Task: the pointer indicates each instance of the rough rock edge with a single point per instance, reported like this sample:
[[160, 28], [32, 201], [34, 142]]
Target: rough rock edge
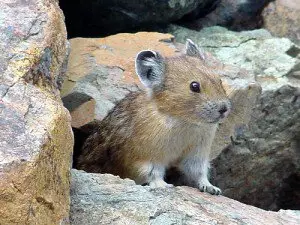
[[107, 199]]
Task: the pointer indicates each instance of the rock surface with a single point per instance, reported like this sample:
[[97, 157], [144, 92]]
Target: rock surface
[[106, 199], [35, 133], [98, 18], [233, 14], [81, 108], [287, 14], [273, 61], [264, 160], [103, 68]]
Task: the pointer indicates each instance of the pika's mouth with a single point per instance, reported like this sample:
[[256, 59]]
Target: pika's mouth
[[215, 111]]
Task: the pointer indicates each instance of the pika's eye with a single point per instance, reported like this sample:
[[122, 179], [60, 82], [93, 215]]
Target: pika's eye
[[195, 87]]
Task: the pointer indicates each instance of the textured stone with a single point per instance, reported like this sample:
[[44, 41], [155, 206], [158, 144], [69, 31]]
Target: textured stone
[[267, 57], [81, 108], [263, 160], [233, 14], [103, 68], [35, 133], [106, 199], [287, 14]]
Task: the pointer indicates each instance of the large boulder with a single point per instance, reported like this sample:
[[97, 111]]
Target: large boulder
[[98, 18], [262, 166], [103, 68], [107, 199], [35, 134]]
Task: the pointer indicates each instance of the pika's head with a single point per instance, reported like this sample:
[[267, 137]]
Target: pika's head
[[184, 87]]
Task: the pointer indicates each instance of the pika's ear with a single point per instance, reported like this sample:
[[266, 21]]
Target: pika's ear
[[193, 50], [150, 67]]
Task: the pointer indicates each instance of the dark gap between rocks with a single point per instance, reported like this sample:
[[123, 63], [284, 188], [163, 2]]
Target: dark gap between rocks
[[289, 195], [88, 19], [103, 18], [99, 19]]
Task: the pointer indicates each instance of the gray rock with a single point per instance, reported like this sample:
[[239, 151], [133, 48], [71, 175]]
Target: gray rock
[[262, 167], [269, 59], [263, 162], [234, 14], [106, 199], [104, 85]]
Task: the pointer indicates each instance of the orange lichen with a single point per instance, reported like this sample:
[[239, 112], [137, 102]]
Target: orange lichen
[[113, 51]]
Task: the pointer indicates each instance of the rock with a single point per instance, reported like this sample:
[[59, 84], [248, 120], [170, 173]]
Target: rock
[[106, 199], [287, 14], [267, 57], [99, 18], [103, 69], [81, 108], [264, 159], [233, 14], [35, 134]]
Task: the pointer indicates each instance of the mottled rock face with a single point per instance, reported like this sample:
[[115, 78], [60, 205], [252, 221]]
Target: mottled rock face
[[261, 167], [106, 199], [98, 18], [287, 14], [35, 133]]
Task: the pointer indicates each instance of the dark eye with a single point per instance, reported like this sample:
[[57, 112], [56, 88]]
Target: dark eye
[[195, 87]]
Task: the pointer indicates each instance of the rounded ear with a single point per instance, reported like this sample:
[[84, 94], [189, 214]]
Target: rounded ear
[[193, 50], [150, 67]]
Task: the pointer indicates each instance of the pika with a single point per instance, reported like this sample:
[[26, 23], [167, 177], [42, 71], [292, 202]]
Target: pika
[[172, 123]]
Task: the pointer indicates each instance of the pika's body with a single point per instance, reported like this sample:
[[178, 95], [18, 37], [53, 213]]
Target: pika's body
[[173, 123]]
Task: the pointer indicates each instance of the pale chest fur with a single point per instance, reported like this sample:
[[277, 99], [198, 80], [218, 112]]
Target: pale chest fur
[[170, 139]]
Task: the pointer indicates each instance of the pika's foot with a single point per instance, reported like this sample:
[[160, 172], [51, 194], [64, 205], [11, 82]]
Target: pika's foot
[[208, 187], [159, 184]]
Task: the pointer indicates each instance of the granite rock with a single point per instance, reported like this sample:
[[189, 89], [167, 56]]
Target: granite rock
[[35, 134], [107, 199]]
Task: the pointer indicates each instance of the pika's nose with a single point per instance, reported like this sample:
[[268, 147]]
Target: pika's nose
[[223, 110]]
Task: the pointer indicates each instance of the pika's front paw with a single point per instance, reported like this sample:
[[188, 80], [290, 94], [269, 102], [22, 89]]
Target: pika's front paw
[[208, 187], [159, 184]]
